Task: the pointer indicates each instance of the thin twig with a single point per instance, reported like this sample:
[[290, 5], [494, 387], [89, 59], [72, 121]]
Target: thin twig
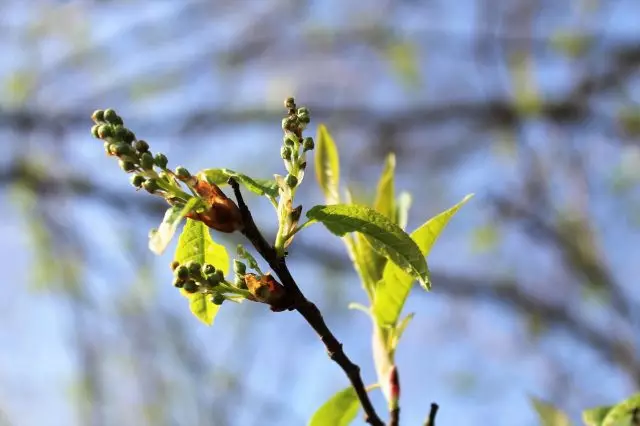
[[395, 417], [306, 308], [431, 420]]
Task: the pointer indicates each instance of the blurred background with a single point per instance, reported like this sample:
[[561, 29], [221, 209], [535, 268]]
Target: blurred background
[[531, 104]]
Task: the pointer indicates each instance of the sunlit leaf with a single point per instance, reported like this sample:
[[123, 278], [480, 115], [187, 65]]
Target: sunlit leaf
[[221, 177], [160, 238], [384, 236], [549, 415], [340, 410], [621, 414], [327, 164], [196, 245], [392, 291], [595, 416], [402, 209], [385, 202]]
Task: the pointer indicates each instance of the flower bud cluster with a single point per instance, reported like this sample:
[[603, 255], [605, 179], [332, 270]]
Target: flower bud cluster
[[194, 277], [294, 145]]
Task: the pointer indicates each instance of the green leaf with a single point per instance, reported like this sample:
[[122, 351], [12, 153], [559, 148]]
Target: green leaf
[[384, 236], [595, 416], [195, 245], [327, 165], [251, 261], [340, 410], [392, 291], [385, 195], [160, 238], [549, 415], [402, 209], [399, 331], [622, 412], [221, 177]]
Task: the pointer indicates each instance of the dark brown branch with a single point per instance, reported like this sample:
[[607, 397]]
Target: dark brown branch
[[395, 417], [306, 308], [431, 420]]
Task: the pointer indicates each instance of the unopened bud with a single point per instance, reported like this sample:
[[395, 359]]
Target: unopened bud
[[105, 131], [146, 161], [98, 116], [110, 116], [190, 286], [174, 265], [141, 146], [288, 123], [127, 166], [137, 181], [151, 185], [285, 153], [308, 144], [208, 269], [178, 283], [289, 140], [94, 131], [122, 149], [292, 181], [219, 275], [290, 103], [217, 299], [182, 172], [182, 272], [194, 269], [161, 160], [129, 136], [120, 133]]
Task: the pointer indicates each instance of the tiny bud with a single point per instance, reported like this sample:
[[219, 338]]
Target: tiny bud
[[308, 144], [107, 148], [182, 272], [288, 123], [303, 166], [110, 116], [289, 140], [161, 160], [146, 161], [178, 283], [182, 173], [151, 185], [304, 119], [98, 116], [194, 269], [174, 265], [128, 166], [219, 275], [303, 111], [105, 131], [141, 146], [190, 286], [209, 269], [217, 299], [129, 136], [239, 267], [137, 181], [292, 181], [289, 103], [213, 280], [120, 133], [285, 153], [94, 131], [122, 148]]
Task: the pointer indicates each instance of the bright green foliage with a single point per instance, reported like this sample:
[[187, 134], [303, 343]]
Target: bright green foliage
[[340, 410], [595, 416], [195, 245], [257, 186], [159, 239], [385, 195], [621, 414], [393, 289], [327, 165], [384, 236], [402, 209], [549, 415]]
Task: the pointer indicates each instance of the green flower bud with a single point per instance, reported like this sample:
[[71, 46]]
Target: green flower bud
[[213, 280], [219, 275], [94, 131], [98, 116], [174, 265], [122, 149], [190, 286], [178, 283], [303, 111], [105, 131], [195, 269], [120, 133], [129, 136], [181, 272], [127, 166], [107, 148], [217, 299], [288, 123], [141, 146], [285, 153], [290, 103], [289, 140], [182, 173], [137, 181], [209, 269], [146, 161], [303, 166], [240, 282], [151, 185], [161, 160], [239, 267], [292, 181], [110, 116], [308, 144], [304, 120]]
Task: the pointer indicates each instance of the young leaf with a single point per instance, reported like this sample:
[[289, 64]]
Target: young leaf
[[595, 416], [398, 331], [549, 415], [257, 186], [195, 244], [385, 195], [384, 236], [251, 261], [402, 209], [159, 239], [382, 359], [392, 291], [327, 165], [622, 412], [340, 410]]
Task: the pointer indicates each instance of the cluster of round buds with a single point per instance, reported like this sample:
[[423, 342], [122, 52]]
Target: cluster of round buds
[[294, 144], [240, 270], [194, 277], [133, 154]]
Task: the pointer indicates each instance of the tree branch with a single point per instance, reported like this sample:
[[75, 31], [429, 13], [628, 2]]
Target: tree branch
[[306, 308], [431, 420]]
